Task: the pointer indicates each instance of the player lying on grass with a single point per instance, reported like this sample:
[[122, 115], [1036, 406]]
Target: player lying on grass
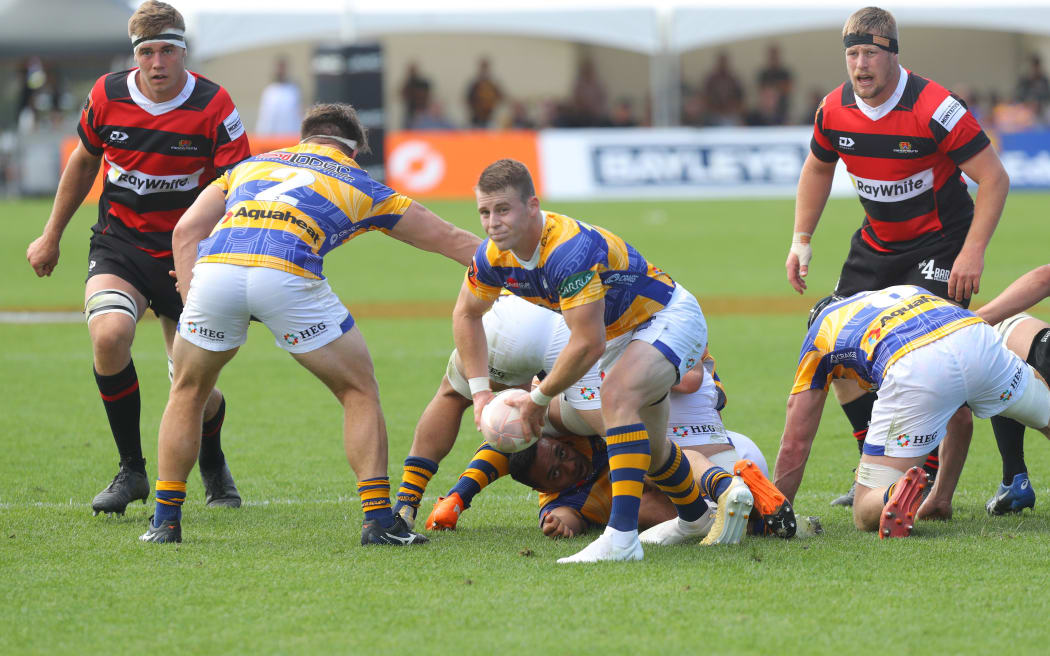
[[926, 357], [694, 424], [1029, 338], [271, 221]]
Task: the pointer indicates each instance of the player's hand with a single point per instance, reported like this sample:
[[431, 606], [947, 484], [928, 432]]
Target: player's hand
[[481, 399], [174, 277], [935, 509], [965, 278], [42, 255], [798, 258], [554, 528], [532, 415]]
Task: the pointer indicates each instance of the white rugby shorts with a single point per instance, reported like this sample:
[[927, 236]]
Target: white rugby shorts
[[303, 314], [923, 389]]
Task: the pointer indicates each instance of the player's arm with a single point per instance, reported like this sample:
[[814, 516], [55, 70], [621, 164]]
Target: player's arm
[[1022, 294], [423, 229], [993, 183], [691, 381], [563, 522], [196, 224], [468, 331], [800, 427], [586, 344], [73, 188], [814, 186]]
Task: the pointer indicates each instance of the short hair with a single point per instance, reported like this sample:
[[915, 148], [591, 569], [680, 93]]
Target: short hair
[[507, 173], [871, 20], [519, 463], [336, 120], [152, 17]]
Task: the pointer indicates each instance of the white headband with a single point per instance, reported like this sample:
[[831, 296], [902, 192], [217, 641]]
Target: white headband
[[172, 35], [343, 140]]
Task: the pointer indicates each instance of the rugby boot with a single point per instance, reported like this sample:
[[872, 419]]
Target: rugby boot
[[603, 549], [734, 508], [898, 515], [128, 485], [445, 513], [774, 507], [1013, 499], [408, 513], [679, 531], [398, 535], [219, 490], [169, 531], [847, 498]]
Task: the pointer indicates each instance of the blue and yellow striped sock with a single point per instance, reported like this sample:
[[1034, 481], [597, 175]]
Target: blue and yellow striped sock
[[414, 480], [170, 497], [888, 494], [714, 482], [675, 479], [629, 458], [488, 465], [375, 500]]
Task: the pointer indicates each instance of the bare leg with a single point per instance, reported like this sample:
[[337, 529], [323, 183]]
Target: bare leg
[[439, 424], [869, 502], [954, 448]]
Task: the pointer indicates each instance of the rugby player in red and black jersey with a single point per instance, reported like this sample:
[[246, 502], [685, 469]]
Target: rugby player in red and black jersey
[[161, 133], [905, 141]]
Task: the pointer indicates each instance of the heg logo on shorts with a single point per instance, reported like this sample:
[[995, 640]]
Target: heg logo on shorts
[[280, 215], [195, 328], [291, 339], [694, 429], [574, 283], [588, 393], [915, 440]]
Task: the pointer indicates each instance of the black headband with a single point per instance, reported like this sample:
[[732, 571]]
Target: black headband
[[166, 37], [883, 42]]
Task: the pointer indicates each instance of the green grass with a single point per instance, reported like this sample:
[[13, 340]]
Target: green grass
[[284, 574]]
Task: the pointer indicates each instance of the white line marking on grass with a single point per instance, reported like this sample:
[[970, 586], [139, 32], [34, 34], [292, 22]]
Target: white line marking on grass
[[41, 317]]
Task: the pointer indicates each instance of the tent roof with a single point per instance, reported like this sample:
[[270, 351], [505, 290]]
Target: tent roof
[[35, 27]]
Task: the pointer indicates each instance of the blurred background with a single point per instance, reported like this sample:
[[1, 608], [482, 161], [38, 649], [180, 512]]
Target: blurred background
[[602, 98]]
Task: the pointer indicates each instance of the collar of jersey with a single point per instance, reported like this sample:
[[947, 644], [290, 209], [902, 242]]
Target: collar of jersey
[[156, 109], [325, 151], [875, 113], [533, 261]]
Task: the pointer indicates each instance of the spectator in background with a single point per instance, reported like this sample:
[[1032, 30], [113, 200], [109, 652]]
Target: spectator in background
[[415, 93], [432, 117], [767, 111], [280, 107], [588, 95], [623, 114], [779, 78], [519, 117], [1033, 86], [816, 96], [694, 109], [483, 96], [724, 94]]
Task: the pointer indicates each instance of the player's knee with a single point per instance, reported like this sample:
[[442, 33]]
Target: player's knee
[[112, 335]]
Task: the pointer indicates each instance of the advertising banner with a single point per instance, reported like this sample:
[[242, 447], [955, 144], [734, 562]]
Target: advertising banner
[[1026, 157]]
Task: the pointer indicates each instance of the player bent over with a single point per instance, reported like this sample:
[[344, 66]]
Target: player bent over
[[161, 133], [643, 329], [926, 357], [272, 220]]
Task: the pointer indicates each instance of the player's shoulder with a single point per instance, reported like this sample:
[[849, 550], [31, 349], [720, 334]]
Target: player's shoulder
[[111, 86], [839, 98]]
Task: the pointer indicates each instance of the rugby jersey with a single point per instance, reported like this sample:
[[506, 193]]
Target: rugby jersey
[[904, 165], [286, 209], [592, 497], [862, 336], [157, 157], [578, 264]]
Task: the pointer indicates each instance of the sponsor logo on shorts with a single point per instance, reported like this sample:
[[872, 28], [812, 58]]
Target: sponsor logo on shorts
[[588, 393], [695, 429], [293, 338], [280, 215], [690, 363], [1014, 382], [930, 271], [1006, 396], [891, 191], [904, 440], [574, 283], [92, 263], [201, 330], [497, 373]]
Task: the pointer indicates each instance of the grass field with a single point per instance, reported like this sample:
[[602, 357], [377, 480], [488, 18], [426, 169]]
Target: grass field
[[284, 574]]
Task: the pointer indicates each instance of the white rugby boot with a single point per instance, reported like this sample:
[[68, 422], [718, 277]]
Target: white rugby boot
[[679, 531], [604, 549], [734, 508]]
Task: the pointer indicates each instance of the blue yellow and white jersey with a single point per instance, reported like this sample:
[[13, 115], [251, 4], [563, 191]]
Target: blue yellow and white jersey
[[578, 264], [861, 336], [287, 208], [591, 497]]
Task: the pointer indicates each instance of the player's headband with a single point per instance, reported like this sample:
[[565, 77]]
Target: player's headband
[[172, 35], [883, 42], [343, 140]]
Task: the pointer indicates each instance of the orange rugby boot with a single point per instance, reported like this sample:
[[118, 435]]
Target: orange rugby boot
[[898, 515], [777, 514], [445, 513]]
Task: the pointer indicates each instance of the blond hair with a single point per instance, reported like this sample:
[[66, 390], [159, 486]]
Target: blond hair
[[152, 17], [871, 20]]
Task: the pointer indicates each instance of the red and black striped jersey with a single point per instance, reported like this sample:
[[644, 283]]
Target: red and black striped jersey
[[157, 157], [905, 164]]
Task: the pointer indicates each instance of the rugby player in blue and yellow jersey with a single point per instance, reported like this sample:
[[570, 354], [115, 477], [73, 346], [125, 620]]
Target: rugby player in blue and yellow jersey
[[271, 220], [925, 357], [644, 330]]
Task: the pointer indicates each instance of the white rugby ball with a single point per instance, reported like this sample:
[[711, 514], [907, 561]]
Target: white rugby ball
[[501, 423]]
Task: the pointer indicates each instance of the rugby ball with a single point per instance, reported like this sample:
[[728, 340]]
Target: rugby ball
[[501, 423]]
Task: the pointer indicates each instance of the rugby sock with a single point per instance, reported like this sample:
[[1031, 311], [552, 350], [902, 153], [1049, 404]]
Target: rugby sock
[[629, 459], [211, 456], [858, 412], [933, 463], [375, 500], [488, 465], [1009, 437], [714, 482], [170, 497], [675, 479], [861, 435], [120, 396], [888, 494], [414, 480]]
